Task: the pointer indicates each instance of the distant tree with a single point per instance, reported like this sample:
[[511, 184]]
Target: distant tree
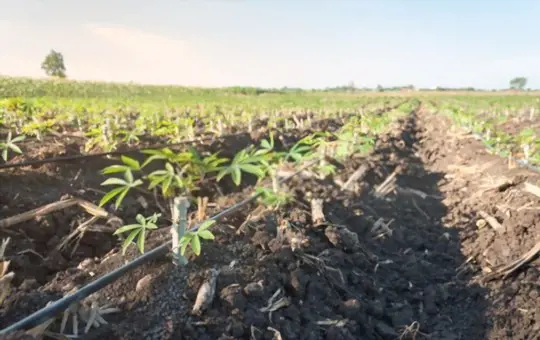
[[518, 83], [379, 88], [53, 65]]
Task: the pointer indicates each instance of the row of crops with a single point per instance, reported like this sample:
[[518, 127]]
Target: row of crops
[[106, 116], [508, 126]]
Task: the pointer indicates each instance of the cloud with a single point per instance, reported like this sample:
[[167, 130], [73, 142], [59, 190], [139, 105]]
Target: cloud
[[140, 42], [146, 57]]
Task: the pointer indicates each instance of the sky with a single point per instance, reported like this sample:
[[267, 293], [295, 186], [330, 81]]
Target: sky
[[276, 43]]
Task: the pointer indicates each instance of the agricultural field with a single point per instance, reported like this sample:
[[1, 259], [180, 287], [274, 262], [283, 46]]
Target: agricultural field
[[296, 214]]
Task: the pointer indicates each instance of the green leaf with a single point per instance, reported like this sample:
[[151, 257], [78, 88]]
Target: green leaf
[[252, 169], [140, 218], [236, 176], [205, 234], [128, 175], [110, 195], [114, 181], [186, 239], [196, 245], [126, 228], [114, 169], [140, 241], [151, 225], [132, 163], [151, 159], [166, 184], [18, 139], [206, 224], [183, 247], [120, 197], [15, 148], [129, 239], [5, 154], [265, 144], [221, 174]]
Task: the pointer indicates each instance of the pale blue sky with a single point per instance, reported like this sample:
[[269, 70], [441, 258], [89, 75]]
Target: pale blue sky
[[274, 43]]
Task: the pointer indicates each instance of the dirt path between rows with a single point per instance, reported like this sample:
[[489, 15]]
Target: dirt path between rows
[[411, 269]]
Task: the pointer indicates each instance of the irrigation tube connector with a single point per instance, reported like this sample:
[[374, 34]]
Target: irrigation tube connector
[[62, 304]]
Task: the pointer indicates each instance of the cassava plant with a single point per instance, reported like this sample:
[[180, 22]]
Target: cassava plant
[[9, 145], [138, 230]]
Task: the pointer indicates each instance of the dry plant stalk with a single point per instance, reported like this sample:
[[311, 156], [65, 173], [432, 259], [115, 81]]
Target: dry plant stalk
[[202, 205], [388, 185], [80, 230], [356, 176], [277, 334], [492, 222], [91, 208], [255, 216], [5, 277], [317, 214], [508, 269]]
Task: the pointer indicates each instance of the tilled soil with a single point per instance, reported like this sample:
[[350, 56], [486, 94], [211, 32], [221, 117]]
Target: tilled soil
[[411, 261]]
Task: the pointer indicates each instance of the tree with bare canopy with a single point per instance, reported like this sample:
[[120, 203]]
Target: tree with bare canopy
[[53, 65]]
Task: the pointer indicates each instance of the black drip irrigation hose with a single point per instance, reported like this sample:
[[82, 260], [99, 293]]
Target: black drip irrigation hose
[[62, 304], [110, 153]]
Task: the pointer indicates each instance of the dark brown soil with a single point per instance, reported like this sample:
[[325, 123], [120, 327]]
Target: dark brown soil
[[33, 249], [418, 278]]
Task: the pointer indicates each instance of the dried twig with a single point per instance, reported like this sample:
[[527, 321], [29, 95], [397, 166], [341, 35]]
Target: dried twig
[[512, 267], [201, 208], [356, 176], [255, 216], [381, 228], [317, 214], [277, 334], [273, 304], [492, 222], [52, 207], [5, 277], [80, 230], [388, 185]]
